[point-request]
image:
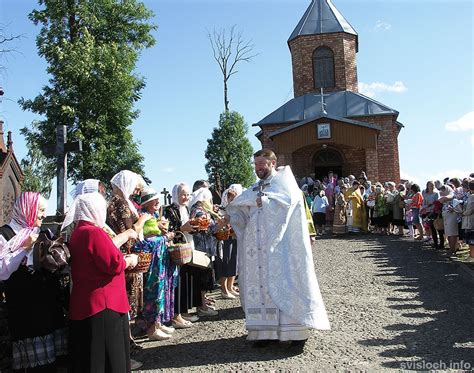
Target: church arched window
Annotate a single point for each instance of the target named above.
(323, 66)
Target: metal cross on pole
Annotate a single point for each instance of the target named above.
(165, 195)
(60, 149)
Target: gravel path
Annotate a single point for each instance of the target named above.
(392, 303)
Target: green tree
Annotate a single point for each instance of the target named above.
(91, 48)
(229, 153)
(36, 168)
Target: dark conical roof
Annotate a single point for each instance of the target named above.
(321, 17)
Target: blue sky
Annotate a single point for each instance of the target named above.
(414, 56)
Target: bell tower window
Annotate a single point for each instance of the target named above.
(323, 68)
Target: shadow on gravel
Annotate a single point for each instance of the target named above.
(219, 351)
(444, 339)
(234, 313)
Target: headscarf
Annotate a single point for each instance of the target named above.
(86, 186)
(127, 182)
(237, 189)
(446, 190)
(91, 207)
(204, 196)
(176, 191)
(83, 187)
(24, 215)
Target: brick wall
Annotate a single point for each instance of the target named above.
(387, 147)
(344, 48)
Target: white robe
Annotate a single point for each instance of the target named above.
(278, 286)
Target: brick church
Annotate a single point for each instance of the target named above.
(11, 177)
(329, 125)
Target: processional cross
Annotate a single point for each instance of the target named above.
(60, 149)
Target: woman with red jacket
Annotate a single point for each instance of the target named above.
(98, 307)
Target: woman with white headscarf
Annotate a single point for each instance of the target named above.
(88, 186)
(98, 307)
(205, 241)
(187, 291)
(226, 259)
(121, 216)
(36, 320)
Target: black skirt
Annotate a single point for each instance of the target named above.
(226, 266)
(319, 218)
(188, 291)
(101, 343)
(35, 303)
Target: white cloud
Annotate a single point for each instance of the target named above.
(406, 176)
(382, 26)
(465, 123)
(371, 89)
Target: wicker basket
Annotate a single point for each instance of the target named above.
(223, 234)
(181, 253)
(144, 261)
(200, 224)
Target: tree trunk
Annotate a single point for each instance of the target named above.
(226, 102)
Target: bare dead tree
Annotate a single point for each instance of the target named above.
(6, 46)
(229, 48)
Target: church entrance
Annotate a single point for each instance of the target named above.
(327, 160)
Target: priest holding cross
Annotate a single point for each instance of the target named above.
(278, 286)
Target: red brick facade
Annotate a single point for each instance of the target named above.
(345, 68)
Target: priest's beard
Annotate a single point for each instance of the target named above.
(263, 174)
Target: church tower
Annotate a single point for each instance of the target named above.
(323, 50)
(329, 125)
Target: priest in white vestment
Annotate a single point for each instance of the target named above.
(278, 286)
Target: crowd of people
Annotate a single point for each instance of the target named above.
(89, 318)
(106, 242)
(441, 214)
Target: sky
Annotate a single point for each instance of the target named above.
(415, 56)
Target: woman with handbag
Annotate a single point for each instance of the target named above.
(98, 309)
(187, 291)
(36, 318)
